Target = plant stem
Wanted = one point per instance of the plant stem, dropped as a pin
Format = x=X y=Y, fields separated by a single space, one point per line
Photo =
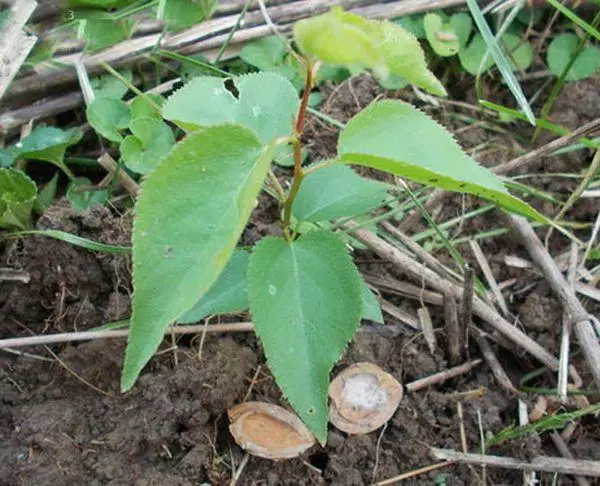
x=298 y=171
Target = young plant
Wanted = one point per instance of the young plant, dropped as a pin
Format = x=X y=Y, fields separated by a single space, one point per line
x=305 y=295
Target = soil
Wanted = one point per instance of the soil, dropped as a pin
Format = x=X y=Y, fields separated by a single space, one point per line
x=64 y=422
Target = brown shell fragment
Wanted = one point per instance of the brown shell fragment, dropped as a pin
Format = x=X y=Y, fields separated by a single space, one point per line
x=362 y=398
x=269 y=431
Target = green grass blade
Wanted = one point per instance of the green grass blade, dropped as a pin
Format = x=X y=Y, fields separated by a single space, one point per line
x=74 y=240
x=575 y=19
x=500 y=59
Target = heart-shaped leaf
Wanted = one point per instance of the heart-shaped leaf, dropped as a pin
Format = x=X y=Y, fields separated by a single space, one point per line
x=441 y=36
x=562 y=49
x=151 y=141
x=182 y=242
x=109 y=116
x=305 y=300
x=382 y=137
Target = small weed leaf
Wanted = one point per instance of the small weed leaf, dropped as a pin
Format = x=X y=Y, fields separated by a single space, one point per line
x=441 y=36
x=179 y=14
x=371 y=309
x=151 y=141
x=562 y=49
x=519 y=52
x=412 y=23
x=109 y=116
x=305 y=301
x=228 y=294
x=265 y=53
x=181 y=243
x=141 y=107
x=345 y=39
x=383 y=137
x=335 y=191
x=82 y=194
x=17 y=197
x=97 y=3
x=101 y=33
x=462 y=24
x=108 y=86
x=267 y=104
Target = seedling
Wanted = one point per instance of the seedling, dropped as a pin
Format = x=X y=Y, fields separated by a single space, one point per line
x=305 y=295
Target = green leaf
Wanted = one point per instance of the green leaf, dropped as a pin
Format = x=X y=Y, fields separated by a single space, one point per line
x=441 y=36
x=265 y=53
x=17 y=196
x=46 y=195
x=182 y=242
x=8 y=156
x=462 y=24
x=151 y=141
x=335 y=191
x=75 y=240
x=383 y=137
x=306 y=306
x=228 y=293
x=346 y=39
x=180 y=14
x=108 y=117
x=49 y=144
x=562 y=49
x=101 y=33
x=98 y=3
x=141 y=107
x=83 y=195
x=412 y=23
x=519 y=53
x=472 y=55
x=108 y=86
x=267 y=104
x=371 y=309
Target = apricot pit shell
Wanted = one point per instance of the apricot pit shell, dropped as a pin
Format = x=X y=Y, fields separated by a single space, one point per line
x=362 y=398
x=269 y=431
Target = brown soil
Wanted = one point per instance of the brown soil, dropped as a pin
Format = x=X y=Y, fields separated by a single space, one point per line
x=63 y=421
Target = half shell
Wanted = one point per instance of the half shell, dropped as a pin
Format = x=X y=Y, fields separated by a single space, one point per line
x=269 y=431
x=362 y=398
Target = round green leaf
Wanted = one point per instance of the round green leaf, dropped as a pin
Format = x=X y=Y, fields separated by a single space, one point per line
x=151 y=141
x=305 y=300
x=265 y=53
x=562 y=49
x=140 y=106
x=82 y=195
x=108 y=116
x=472 y=56
x=462 y=24
x=441 y=36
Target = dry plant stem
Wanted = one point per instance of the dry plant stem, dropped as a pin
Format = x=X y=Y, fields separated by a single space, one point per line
x=89 y=335
x=412 y=474
x=540 y=463
x=466 y=314
x=489 y=276
x=452 y=326
x=492 y=361
x=132 y=187
x=442 y=376
x=423 y=274
x=400 y=314
x=427 y=326
x=564 y=451
x=438 y=195
x=582 y=324
x=418 y=250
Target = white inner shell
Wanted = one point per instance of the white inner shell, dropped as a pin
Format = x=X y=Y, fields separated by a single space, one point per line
x=363 y=392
